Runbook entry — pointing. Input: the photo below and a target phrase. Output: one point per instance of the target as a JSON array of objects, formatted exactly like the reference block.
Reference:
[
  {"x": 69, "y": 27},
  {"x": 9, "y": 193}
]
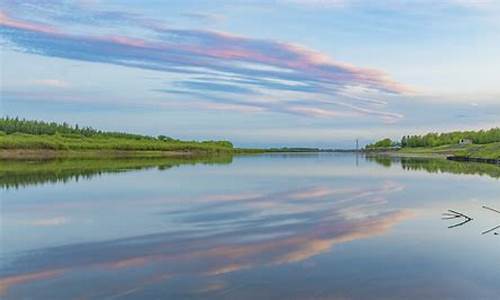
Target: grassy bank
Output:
[
  {"x": 488, "y": 153},
  {"x": 21, "y": 138},
  {"x": 38, "y": 140},
  {"x": 481, "y": 151},
  {"x": 481, "y": 146},
  {"x": 101, "y": 142},
  {"x": 48, "y": 154}
]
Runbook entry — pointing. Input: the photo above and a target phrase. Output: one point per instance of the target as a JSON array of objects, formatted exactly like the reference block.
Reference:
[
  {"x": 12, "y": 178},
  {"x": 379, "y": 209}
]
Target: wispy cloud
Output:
[
  {"x": 55, "y": 221},
  {"x": 208, "y": 18},
  {"x": 320, "y": 3},
  {"x": 392, "y": 3},
  {"x": 280, "y": 73},
  {"x": 55, "y": 83}
]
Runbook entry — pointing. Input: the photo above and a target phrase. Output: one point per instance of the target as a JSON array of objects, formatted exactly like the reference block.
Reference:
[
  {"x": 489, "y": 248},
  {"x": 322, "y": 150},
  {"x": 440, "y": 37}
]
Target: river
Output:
[{"x": 271, "y": 226}]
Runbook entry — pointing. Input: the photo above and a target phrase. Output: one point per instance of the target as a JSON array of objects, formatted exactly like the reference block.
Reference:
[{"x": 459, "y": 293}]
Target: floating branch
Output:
[
  {"x": 461, "y": 223},
  {"x": 492, "y": 229},
  {"x": 460, "y": 214},
  {"x": 492, "y": 209},
  {"x": 450, "y": 215},
  {"x": 455, "y": 214}
]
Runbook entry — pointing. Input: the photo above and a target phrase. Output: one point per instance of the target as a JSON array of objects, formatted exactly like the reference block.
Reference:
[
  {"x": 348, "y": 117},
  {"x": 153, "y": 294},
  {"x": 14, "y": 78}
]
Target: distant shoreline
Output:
[
  {"x": 48, "y": 154},
  {"x": 22, "y": 139},
  {"x": 430, "y": 153}
]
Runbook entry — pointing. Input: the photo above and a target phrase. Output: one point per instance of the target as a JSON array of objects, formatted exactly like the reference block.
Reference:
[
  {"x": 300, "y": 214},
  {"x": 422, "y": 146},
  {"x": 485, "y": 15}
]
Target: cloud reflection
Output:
[{"x": 253, "y": 231}]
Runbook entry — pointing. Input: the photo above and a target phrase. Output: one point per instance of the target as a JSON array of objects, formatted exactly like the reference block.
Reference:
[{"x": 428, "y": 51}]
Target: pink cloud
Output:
[
  {"x": 267, "y": 65},
  {"x": 5, "y": 20}
]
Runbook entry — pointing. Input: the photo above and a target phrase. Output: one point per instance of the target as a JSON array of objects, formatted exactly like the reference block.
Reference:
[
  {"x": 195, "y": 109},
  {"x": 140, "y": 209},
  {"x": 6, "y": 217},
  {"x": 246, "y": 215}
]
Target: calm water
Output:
[{"x": 298, "y": 226}]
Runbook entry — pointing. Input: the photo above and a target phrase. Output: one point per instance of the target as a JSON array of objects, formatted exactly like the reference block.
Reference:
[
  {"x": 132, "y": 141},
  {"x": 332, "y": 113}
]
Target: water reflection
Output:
[
  {"x": 228, "y": 233},
  {"x": 16, "y": 174},
  {"x": 437, "y": 165},
  {"x": 263, "y": 227}
]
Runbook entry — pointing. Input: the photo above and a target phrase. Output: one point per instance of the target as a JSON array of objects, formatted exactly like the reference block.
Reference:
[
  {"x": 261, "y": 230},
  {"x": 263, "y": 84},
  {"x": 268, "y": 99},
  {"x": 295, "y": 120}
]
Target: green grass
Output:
[
  {"x": 80, "y": 142},
  {"x": 80, "y": 146},
  {"x": 483, "y": 151},
  {"x": 486, "y": 151}
]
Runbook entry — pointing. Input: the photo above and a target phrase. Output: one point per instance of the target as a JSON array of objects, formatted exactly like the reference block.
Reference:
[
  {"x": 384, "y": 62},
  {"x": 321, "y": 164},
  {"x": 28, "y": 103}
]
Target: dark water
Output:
[{"x": 298, "y": 226}]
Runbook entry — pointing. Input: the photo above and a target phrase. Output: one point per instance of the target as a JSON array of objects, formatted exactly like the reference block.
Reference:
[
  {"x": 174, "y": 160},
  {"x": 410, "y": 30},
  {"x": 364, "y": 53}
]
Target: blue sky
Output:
[{"x": 259, "y": 73}]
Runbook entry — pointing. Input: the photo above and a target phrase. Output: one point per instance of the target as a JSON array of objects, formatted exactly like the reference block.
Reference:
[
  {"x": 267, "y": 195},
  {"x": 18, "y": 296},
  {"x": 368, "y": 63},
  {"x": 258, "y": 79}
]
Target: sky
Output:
[{"x": 318, "y": 73}]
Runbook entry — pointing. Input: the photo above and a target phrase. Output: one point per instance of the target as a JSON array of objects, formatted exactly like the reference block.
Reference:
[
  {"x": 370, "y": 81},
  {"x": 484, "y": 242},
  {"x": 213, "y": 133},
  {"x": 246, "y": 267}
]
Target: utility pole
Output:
[{"x": 357, "y": 152}]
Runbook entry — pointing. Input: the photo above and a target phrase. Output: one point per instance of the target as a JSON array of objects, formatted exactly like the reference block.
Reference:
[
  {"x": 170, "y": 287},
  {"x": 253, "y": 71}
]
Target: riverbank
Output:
[
  {"x": 48, "y": 154},
  {"x": 483, "y": 153},
  {"x": 23, "y": 146}
]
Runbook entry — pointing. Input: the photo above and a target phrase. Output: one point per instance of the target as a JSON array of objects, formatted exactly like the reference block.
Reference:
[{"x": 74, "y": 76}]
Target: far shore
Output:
[
  {"x": 46, "y": 154},
  {"x": 429, "y": 153},
  {"x": 50, "y": 154},
  {"x": 398, "y": 153},
  {"x": 22, "y": 139}
]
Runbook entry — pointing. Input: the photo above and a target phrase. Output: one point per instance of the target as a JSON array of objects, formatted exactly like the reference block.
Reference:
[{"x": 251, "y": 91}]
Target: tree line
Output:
[
  {"x": 13, "y": 125},
  {"x": 440, "y": 139},
  {"x": 385, "y": 143},
  {"x": 9, "y": 125}
]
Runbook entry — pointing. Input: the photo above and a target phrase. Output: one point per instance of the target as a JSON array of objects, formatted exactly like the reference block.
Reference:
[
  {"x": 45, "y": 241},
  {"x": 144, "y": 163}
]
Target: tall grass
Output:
[
  {"x": 79, "y": 142},
  {"x": 18, "y": 133}
]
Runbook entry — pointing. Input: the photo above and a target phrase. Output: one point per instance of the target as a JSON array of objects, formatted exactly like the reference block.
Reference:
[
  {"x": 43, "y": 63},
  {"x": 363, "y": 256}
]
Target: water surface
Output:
[{"x": 281, "y": 226}]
